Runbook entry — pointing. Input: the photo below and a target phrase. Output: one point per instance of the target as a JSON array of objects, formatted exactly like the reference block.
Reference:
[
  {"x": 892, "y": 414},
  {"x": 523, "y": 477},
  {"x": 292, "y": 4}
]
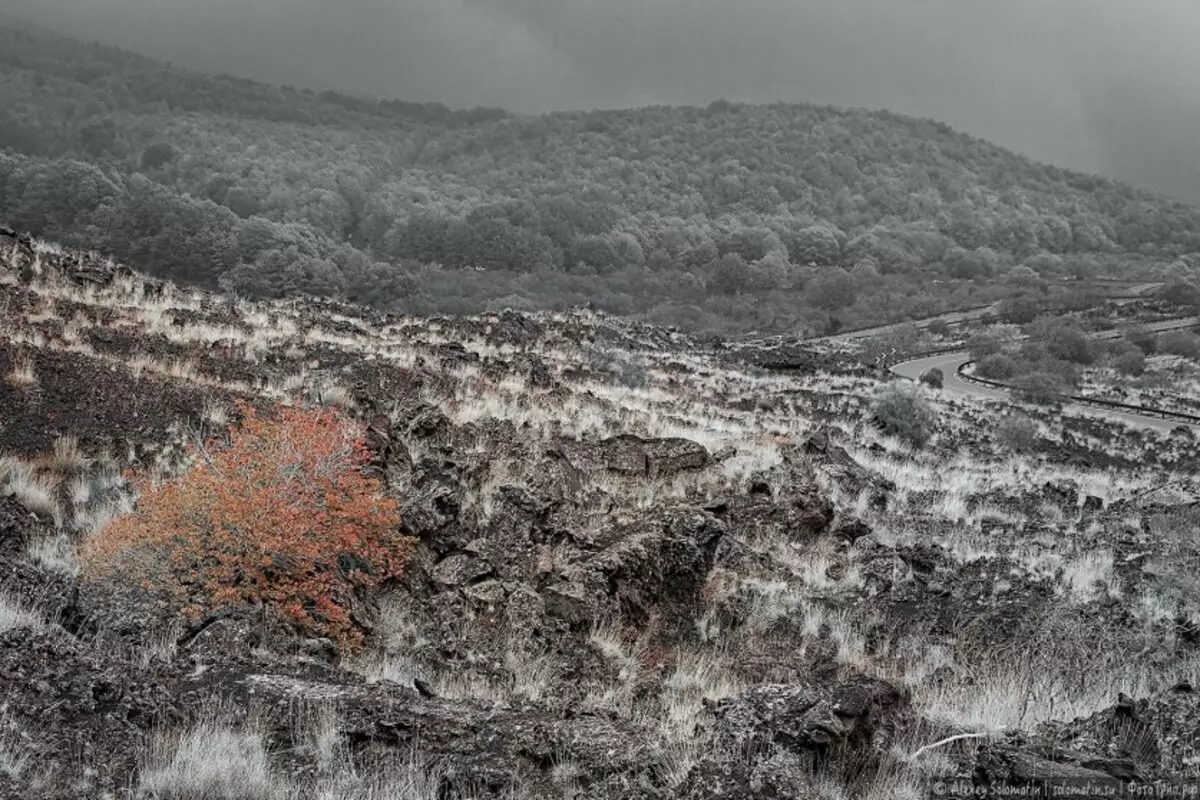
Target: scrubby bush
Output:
[
  {"x": 904, "y": 413},
  {"x": 281, "y": 514},
  {"x": 997, "y": 367},
  {"x": 1070, "y": 344},
  {"x": 933, "y": 377},
  {"x": 1180, "y": 343},
  {"x": 1018, "y": 434},
  {"x": 1019, "y": 309},
  {"x": 1142, "y": 339},
  {"x": 1129, "y": 361},
  {"x": 1062, "y": 340},
  {"x": 983, "y": 344},
  {"x": 1041, "y": 388},
  {"x": 939, "y": 327}
]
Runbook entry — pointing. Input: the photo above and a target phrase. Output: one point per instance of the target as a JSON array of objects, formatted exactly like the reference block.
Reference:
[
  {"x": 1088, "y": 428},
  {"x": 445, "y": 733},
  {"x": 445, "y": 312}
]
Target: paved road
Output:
[{"x": 949, "y": 363}]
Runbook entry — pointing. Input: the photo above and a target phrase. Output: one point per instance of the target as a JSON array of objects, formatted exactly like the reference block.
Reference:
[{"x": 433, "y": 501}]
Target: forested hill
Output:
[{"x": 727, "y": 216}]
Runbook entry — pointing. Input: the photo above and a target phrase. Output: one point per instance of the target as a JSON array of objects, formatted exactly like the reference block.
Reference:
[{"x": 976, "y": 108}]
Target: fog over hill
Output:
[{"x": 1100, "y": 85}]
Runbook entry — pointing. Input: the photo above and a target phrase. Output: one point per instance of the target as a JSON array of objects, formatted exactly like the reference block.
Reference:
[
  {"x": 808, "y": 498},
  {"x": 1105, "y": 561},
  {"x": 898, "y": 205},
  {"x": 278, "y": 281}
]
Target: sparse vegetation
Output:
[{"x": 585, "y": 608}]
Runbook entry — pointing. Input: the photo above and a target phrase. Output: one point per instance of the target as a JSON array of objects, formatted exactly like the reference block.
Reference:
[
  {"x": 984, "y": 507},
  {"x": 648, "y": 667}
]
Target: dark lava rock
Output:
[{"x": 635, "y": 456}]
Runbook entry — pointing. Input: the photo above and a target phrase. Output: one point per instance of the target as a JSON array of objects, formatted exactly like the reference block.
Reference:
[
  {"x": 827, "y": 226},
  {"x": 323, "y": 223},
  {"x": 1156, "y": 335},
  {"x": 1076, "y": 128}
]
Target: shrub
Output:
[
  {"x": 1142, "y": 339},
  {"x": 1062, "y": 340},
  {"x": 1071, "y": 344},
  {"x": 997, "y": 367},
  {"x": 933, "y": 378},
  {"x": 983, "y": 344},
  {"x": 1130, "y": 362},
  {"x": 939, "y": 327},
  {"x": 1041, "y": 388},
  {"x": 904, "y": 414},
  {"x": 1019, "y": 309},
  {"x": 1180, "y": 343},
  {"x": 1018, "y": 434},
  {"x": 281, "y": 514}
]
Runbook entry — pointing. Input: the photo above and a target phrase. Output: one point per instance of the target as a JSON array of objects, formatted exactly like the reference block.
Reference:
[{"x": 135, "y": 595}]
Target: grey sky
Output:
[{"x": 1103, "y": 85}]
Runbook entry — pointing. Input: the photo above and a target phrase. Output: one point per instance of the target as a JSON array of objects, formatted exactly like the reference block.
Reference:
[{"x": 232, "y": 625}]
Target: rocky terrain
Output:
[{"x": 646, "y": 567}]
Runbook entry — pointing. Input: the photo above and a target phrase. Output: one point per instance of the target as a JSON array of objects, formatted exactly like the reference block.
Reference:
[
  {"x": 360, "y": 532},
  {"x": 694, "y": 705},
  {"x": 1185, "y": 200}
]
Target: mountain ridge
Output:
[{"x": 730, "y": 216}]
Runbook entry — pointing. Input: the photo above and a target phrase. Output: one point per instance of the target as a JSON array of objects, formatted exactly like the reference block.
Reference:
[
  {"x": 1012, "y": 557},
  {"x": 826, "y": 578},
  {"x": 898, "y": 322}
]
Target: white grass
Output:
[
  {"x": 209, "y": 760},
  {"x": 695, "y": 678},
  {"x": 67, "y": 455},
  {"x": 1091, "y": 576},
  {"x": 626, "y": 652},
  {"x": 38, "y": 493},
  {"x": 772, "y": 601},
  {"x": 411, "y": 776},
  {"x": 15, "y": 613},
  {"x": 15, "y": 747},
  {"x": 330, "y": 394},
  {"x": 55, "y": 553},
  {"x": 22, "y": 375},
  {"x": 1019, "y": 693},
  {"x": 533, "y": 675}
]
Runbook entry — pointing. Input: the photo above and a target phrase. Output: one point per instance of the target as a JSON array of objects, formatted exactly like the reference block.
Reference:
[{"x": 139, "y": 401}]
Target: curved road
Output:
[
  {"x": 1132, "y": 293},
  {"x": 949, "y": 364}
]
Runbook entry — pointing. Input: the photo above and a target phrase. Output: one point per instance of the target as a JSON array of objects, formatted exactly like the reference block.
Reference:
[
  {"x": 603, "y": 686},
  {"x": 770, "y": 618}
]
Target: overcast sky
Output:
[{"x": 1111, "y": 86}]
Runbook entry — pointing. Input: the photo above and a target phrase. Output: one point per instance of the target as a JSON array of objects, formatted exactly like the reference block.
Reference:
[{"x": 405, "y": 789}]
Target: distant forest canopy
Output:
[{"x": 725, "y": 218}]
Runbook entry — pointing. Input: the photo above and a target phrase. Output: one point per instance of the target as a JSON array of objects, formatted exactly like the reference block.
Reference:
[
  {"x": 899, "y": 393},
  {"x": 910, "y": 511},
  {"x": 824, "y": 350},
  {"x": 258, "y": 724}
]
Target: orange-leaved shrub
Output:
[{"x": 280, "y": 514}]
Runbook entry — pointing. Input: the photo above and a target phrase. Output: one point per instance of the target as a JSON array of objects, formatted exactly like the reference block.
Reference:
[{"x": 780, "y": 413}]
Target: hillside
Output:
[
  {"x": 728, "y": 217},
  {"x": 634, "y": 567}
]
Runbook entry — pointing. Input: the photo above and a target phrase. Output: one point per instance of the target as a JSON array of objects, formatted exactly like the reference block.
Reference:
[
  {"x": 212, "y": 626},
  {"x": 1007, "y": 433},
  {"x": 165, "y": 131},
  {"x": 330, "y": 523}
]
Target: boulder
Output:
[
  {"x": 848, "y": 716},
  {"x": 632, "y": 455},
  {"x": 460, "y": 569}
]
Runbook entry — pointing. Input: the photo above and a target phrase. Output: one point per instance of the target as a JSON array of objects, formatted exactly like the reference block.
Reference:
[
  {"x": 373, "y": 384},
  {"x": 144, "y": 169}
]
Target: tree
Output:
[
  {"x": 833, "y": 289},
  {"x": 1019, "y": 309},
  {"x": 157, "y": 155},
  {"x": 815, "y": 244},
  {"x": 963, "y": 264},
  {"x": 242, "y": 202},
  {"x": 730, "y": 275},
  {"x": 1063, "y": 341},
  {"x": 280, "y": 515},
  {"x": 933, "y": 378}
]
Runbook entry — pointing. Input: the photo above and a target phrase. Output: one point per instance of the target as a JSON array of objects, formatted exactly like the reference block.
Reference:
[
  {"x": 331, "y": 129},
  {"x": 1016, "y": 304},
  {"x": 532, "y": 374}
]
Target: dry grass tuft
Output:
[
  {"x": 38, "y": 493},
  {"x": 15, "y": 613},
  {"x": 22, "y": 375},
  {"x": 209, "y": 761},
  {"x": 15, "y": 750},
  {"x": 54, "y": 553},
  {"x": 67, "y": 458}
]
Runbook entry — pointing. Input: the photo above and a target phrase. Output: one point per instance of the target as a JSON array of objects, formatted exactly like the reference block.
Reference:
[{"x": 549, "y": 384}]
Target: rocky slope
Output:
[{"x": 645, "y": 569}]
